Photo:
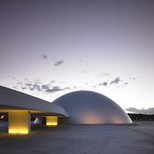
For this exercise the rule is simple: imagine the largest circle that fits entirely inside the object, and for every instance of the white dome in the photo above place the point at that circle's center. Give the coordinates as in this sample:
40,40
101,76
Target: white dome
87,107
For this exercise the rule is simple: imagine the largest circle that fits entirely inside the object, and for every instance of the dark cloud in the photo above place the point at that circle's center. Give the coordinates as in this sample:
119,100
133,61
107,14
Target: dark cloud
39,86
133,78
28,84
45,86
44,56
31,89
126,83
115,81
23,88
142,111
103,84
56,89
53,89
67,88
118,82
58,63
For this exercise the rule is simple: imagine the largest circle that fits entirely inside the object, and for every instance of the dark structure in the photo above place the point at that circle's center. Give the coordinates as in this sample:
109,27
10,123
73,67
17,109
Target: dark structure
141,117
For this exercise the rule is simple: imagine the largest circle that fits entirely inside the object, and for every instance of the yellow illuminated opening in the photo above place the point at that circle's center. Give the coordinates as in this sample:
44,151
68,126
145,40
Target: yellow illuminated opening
19,123
51,121
52,124
18,131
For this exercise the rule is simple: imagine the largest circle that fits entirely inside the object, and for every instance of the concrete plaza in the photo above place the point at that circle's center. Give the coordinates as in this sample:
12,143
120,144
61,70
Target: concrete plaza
137,138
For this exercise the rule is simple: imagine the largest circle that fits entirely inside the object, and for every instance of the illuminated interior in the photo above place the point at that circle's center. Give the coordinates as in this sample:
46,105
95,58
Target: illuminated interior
51,121
17,108
19,123
91,120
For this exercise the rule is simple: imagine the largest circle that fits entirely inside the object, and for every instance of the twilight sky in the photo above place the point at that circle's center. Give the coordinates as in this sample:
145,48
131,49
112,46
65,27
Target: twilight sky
51,47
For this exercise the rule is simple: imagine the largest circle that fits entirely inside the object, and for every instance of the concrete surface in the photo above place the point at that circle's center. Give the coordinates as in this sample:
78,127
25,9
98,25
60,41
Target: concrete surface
81,139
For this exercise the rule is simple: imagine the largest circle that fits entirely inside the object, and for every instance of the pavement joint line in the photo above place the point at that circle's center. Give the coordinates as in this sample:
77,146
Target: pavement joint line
142,132
107,139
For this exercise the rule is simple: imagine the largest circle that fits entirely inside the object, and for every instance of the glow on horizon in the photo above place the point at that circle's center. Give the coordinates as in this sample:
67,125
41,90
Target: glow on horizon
123,96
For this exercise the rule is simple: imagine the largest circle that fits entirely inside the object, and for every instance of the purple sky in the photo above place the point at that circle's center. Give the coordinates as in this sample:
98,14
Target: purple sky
52,47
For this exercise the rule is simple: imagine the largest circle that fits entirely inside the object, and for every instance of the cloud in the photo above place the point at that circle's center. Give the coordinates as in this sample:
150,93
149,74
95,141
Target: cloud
118,81
67,88
45,86
44,56
103,84
53,89
28,84
126,83
37,85
56,89
142,111
58,63
115,81
23,88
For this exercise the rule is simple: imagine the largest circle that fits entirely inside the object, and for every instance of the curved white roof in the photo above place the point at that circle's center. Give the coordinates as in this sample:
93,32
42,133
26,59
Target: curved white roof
11,100
86,107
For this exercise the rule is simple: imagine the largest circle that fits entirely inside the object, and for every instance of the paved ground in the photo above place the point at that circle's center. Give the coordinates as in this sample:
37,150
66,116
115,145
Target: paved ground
82,139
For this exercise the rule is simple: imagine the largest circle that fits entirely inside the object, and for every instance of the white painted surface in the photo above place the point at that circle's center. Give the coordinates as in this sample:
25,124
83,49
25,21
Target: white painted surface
11,99
87,107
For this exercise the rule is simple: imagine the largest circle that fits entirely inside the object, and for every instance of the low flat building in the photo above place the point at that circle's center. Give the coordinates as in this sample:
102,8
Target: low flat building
21,107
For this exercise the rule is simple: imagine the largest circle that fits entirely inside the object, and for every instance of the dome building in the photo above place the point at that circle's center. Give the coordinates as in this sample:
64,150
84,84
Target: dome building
87,107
